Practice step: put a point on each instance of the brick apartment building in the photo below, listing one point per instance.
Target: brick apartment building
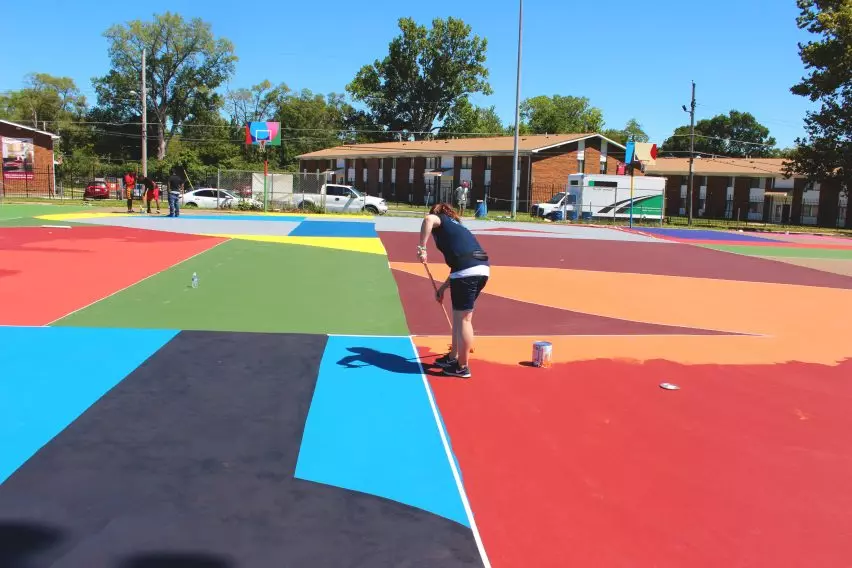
(28, 160)
(410, 172)
(750, 189)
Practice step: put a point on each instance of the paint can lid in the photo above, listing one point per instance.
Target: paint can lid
(669, 386)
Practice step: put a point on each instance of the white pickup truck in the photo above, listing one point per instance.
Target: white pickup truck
(341, 199)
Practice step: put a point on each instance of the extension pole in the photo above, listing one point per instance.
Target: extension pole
(265, 174)
(632, 177)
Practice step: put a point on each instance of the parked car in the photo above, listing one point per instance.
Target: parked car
(97, 189)
(342, 199)
(212, 198)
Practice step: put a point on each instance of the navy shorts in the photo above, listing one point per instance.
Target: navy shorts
(465, 291)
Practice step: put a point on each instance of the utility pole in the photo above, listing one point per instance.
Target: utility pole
(515, 166)
(691, 112)
(144, 96)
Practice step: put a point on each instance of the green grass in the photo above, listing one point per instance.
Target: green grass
(264, 287)
(785, 252)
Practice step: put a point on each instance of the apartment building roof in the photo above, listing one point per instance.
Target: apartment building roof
(495, 145)
(750, 167)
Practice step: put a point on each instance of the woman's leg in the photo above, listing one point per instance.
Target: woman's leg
(465, 339)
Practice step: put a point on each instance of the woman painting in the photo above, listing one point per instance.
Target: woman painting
(469, 272)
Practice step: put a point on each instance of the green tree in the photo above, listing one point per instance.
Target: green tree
(423, 76)
(560, 115)
(185, 66)
(465, 118)
(54, 104)
(633, 129)
(825, 152)
(314, 122)
(736, 134)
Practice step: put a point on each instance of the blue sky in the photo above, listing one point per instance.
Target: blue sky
(742, 54)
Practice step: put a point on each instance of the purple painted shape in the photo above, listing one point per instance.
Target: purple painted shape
(702, 235)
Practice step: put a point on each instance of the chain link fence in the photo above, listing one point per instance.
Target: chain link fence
(272, 192)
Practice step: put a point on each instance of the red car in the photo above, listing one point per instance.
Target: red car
(97, 189)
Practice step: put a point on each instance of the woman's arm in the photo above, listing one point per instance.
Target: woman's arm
(429, 223)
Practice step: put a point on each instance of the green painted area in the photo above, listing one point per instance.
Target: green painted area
(785, 252)
(262, 287)
(23, 214)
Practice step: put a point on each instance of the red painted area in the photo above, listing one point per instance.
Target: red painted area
(593, 464)
(668, 259)
(58, 271)
(496, 315)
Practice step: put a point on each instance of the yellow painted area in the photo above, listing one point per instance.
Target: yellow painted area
(365, 245)
(78, 216)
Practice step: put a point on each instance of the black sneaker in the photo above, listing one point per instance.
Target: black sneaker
(456, 371)
(446, 361)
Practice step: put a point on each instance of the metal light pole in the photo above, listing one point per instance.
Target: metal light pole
(691, 112)
(144, 119)
(517, 113)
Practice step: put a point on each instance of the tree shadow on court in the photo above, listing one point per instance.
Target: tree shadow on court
(176, 560)
(21, 543)
(366, 357)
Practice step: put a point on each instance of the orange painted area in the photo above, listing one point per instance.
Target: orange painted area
(725, 305)
(771, 311)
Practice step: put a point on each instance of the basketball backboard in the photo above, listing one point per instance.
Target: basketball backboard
(263, 134)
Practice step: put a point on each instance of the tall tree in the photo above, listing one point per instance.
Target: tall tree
(736, 134)
(255, 104)
(561, 115)
(45, 99)
(825, 153)
(465, 118)
(424, 74)
(185, 66)
(633, 129)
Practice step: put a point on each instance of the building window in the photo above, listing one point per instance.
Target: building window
(381, 163)
(393, 163)
(754, 183)
(581, 166)
(433, 163)
(332, 164)
(731, 181)
(488, 163)
(603, 167)
(466, 163)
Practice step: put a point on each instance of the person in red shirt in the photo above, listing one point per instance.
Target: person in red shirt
(152, 193)
(129, 184)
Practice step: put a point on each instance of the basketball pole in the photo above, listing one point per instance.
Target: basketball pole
(265, 174)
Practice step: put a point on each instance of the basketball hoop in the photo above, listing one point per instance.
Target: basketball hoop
(262, 144)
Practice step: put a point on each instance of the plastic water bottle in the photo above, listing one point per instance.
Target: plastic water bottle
(195, 280)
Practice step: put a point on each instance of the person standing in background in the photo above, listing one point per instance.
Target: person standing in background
(129, 186)
(175, 186)
(461, 197)
(152, 192)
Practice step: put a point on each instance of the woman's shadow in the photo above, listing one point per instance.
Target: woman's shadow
(365, 357)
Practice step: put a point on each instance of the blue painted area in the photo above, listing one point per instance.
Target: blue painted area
(285, 218)
(334, 229)
(371, 429)
(49, 376)
(700, 235)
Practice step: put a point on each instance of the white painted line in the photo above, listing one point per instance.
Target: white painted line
(476, 536)
(10, 219)
(56, 226)
(69, 314)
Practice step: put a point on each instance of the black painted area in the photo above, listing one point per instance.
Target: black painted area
(189, 462)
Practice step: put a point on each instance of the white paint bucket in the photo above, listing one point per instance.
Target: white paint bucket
(542, 356)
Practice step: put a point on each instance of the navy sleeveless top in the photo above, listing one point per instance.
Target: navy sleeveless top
(457, 244)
